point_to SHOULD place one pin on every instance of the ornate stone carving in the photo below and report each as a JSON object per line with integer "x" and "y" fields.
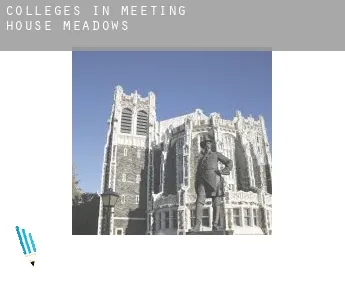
{"x": 127, "y": 98}
{"x": 268, "y": 199}
{"x": 215, "y": 117}
{"x": 226, "y": 123}
{"x": 241, "y": 196}
{"x": 141, "y": 107}
{"x": 119, "y": 89}
{"x": 198, "y": 112}
{"x": 162, "y": 201}
{"x": 191, "y": 198}
{"x": 127, "y": 104}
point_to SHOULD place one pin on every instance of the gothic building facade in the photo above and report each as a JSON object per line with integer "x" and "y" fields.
{"x": 152, "y": 164}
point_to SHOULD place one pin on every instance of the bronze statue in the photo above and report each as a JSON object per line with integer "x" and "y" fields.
{"x": 209, "y": 182}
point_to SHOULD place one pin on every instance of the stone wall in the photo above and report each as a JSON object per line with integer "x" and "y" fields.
{"x": 134, "y": 184}
{"x": 170, "y": 171}
{"x": 242, "y": 174}
{"x": 131, "y": 226}
{"x": 157, "y": 169}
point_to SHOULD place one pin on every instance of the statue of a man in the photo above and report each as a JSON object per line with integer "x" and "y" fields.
{"x": 209, "y": 182}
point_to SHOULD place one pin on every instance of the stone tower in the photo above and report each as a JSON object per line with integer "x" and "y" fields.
{"x": 127, "y": 164}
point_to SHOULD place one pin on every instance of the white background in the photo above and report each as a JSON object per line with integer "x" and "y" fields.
{"x": 308, "y": 185}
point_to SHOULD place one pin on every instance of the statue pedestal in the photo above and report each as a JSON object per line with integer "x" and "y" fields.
{"x": 223, "y": 232}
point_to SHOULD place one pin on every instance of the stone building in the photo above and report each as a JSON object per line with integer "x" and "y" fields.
{"x": 152, "y": 165}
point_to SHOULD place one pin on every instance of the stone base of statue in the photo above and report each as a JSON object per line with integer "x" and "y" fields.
{"x": 218, "y": 232}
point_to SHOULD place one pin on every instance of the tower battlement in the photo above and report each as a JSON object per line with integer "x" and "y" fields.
{"x": 134, "y": 97}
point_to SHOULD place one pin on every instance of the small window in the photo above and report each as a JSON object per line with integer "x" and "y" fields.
{"x": 192, "y": 218}
{"x": 123, "y": 199}
{"x": 119, "y": 231}
{"x": 137, "y": 199}
{"x": 246, "y": 216}
{"x": 137, "y": 179}
{"x": 175, "y": 219}
{"x": 166, "y": 219}
{"x": 236, "y": 216}
{"x": 255, "y": 217}
{"x": 206, "y": 217}
{"x": 124, "y": 177}
{"x": 125, "y": 152}
{"x": 138, "y": 154}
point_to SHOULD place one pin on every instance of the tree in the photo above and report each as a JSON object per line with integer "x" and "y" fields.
{"x": 76, "y": 190}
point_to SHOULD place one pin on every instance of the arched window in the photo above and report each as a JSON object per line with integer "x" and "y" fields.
{"x": 126, "y": 121}
{"x": 142, "y": 121}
